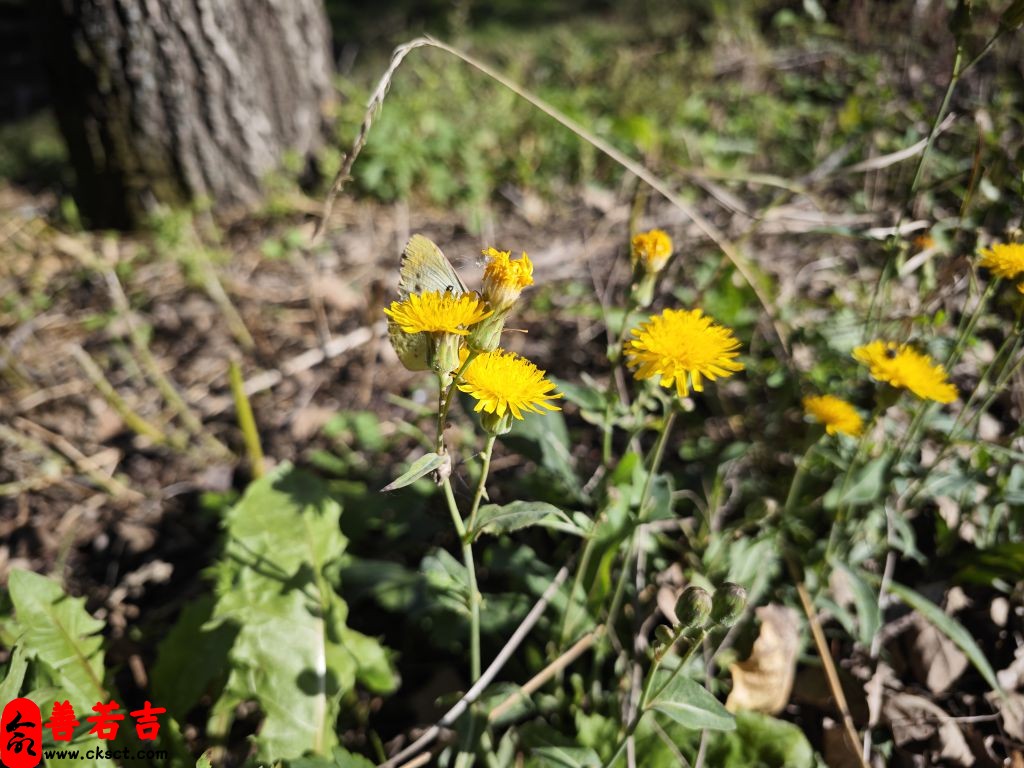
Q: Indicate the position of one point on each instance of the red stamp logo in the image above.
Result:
(21, 734)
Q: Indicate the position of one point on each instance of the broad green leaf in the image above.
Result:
(191, 657)
(689, 703)
(495, 520)
(864, 488)
(865, 599)
(565, 757)
(59, 632)
(951, 628)
(204, 761)
(293, 652)
(422, 466)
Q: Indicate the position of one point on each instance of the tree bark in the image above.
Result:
(171, 101)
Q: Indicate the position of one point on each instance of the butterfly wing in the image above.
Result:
(424, 269)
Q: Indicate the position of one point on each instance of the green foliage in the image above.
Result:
(292, 651)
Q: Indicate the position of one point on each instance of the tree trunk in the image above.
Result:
(169, 101)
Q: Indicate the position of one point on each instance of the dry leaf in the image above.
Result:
(1011, 713)
(1012, 677)
(935, 659)
(839, 753)
(764, 681)
(916, 719)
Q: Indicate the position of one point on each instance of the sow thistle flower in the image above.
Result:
(444, 315)
(504, 281)
(682, 347)
(649, 253)
(651, 250)
(903, 367)
(506, 386)
(836, 414)
(1003, 259)
(438, 312)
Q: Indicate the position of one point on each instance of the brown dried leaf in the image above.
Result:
(1011, 713)
(764, 681)
(916, 719)
(935, 659)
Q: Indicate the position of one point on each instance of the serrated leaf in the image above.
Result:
(689, 704)
(60, 633)
(293, 653)
(950, 627)
(494, 519)
(422, 466)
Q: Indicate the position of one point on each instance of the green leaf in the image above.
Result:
(339, 758)
(204, 761)
(865, 599)
(293, 652)
(191, 657)
(14, 675)
(495, 520)
(864, 489)
(689, 704)
(951, 628)
(60, 633)
(565, 757)
(422, 466)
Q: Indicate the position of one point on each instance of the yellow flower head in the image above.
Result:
(438, 312)
(924, 242)
(503, 382)
(902, 366)
(1020, 287)
(505, 277)
(652, 249)
(1004, 259)
(682, 346)
(835, 413)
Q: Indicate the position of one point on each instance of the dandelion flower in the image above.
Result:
(505, 383)
(902, 366)
(505, 277)
(1003, 259)
(438, 312)
(652, 249)
(682, 347)
(1020, 287)
(836, 414)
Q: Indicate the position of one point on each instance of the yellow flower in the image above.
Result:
(835, 413)
(652, 249)
(503, 382)
(902, 366)
(1020, 287)
(682, 346)
(924, 242)
(505, 277)
(438, 312)
(1004, 259)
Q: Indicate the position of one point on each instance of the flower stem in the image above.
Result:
(474, 594)
(659, 452)
(481, 486)
(646, 696)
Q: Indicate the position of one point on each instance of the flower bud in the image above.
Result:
(485, 336)
(496, 425)
(505, 278)
(651, 251)
(728, 604)
(664, 635)
(693, 607)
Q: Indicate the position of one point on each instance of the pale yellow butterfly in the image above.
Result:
(424, 269)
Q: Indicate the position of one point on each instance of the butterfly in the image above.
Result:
(424, 269)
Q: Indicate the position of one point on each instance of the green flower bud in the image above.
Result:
(485, 336)
(693, 607)
(728, 604)
(496, 425)
(664, 635)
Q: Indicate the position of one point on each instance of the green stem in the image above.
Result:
(445, 398)
(474, 593)
(646, 696)
(480, 486)
(659, 452)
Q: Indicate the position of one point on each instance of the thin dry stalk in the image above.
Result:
(829, 665)
(738, 260)
(132, 420)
